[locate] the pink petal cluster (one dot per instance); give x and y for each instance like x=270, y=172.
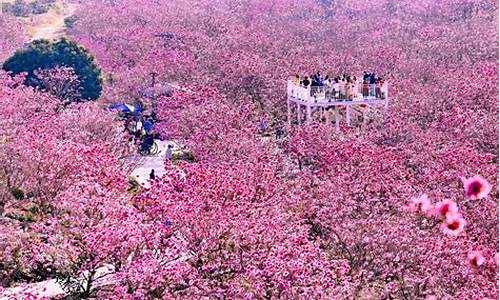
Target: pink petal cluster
x=476, y=187
x=421, y=204
x=476, y=258
x=315, y=214
x=447, y=210
x=453, y=224
x=445, y=207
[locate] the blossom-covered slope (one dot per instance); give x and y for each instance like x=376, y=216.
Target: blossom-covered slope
x=393, y=211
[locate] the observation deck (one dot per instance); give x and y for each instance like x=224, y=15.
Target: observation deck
x=357, y=98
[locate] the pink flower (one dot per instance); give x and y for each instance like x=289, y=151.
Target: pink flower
x=476, y=258
x=476, y=187
x=421, y=204
x=454, y=224
x=283, y=285
x=446, y=207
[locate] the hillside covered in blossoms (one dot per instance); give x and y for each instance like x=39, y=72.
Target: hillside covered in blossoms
x=244, y=204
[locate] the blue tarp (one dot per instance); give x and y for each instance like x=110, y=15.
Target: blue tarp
x=119, y=107
x=125, y=108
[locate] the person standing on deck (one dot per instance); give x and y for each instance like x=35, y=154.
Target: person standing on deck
x=342, y=88
x=336, y=88
x=306, y=81
x=373, y=84
x=357, y=90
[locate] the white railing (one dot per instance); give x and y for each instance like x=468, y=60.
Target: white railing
x=348, y=97
x=357, y=91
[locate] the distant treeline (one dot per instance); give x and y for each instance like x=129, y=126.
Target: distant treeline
x=23, y=8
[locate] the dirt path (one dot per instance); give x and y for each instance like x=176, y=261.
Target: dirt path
x=155, y=162
x=51, y=24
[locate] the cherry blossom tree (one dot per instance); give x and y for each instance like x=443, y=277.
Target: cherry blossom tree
x=61, y=82
x=11, y=35
x=404, y=209
x=56, y=164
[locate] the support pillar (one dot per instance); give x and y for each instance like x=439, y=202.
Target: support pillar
x=348, y=114
x=289, y=112
x=299, y=114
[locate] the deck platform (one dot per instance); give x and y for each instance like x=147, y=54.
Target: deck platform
x=323, y=99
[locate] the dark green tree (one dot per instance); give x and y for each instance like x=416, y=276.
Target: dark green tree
x=43, y=54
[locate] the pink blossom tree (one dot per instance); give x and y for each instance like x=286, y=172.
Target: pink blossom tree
x=11, y=36
x=61, y=82
x=404, y=209
x=56, y=164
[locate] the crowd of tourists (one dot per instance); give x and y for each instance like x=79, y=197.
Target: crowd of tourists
x=345, y=87
x=141, y=129
x=138, y=125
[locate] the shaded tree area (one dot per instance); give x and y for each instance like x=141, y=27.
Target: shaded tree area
x=22, y=8
x=44, y=55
